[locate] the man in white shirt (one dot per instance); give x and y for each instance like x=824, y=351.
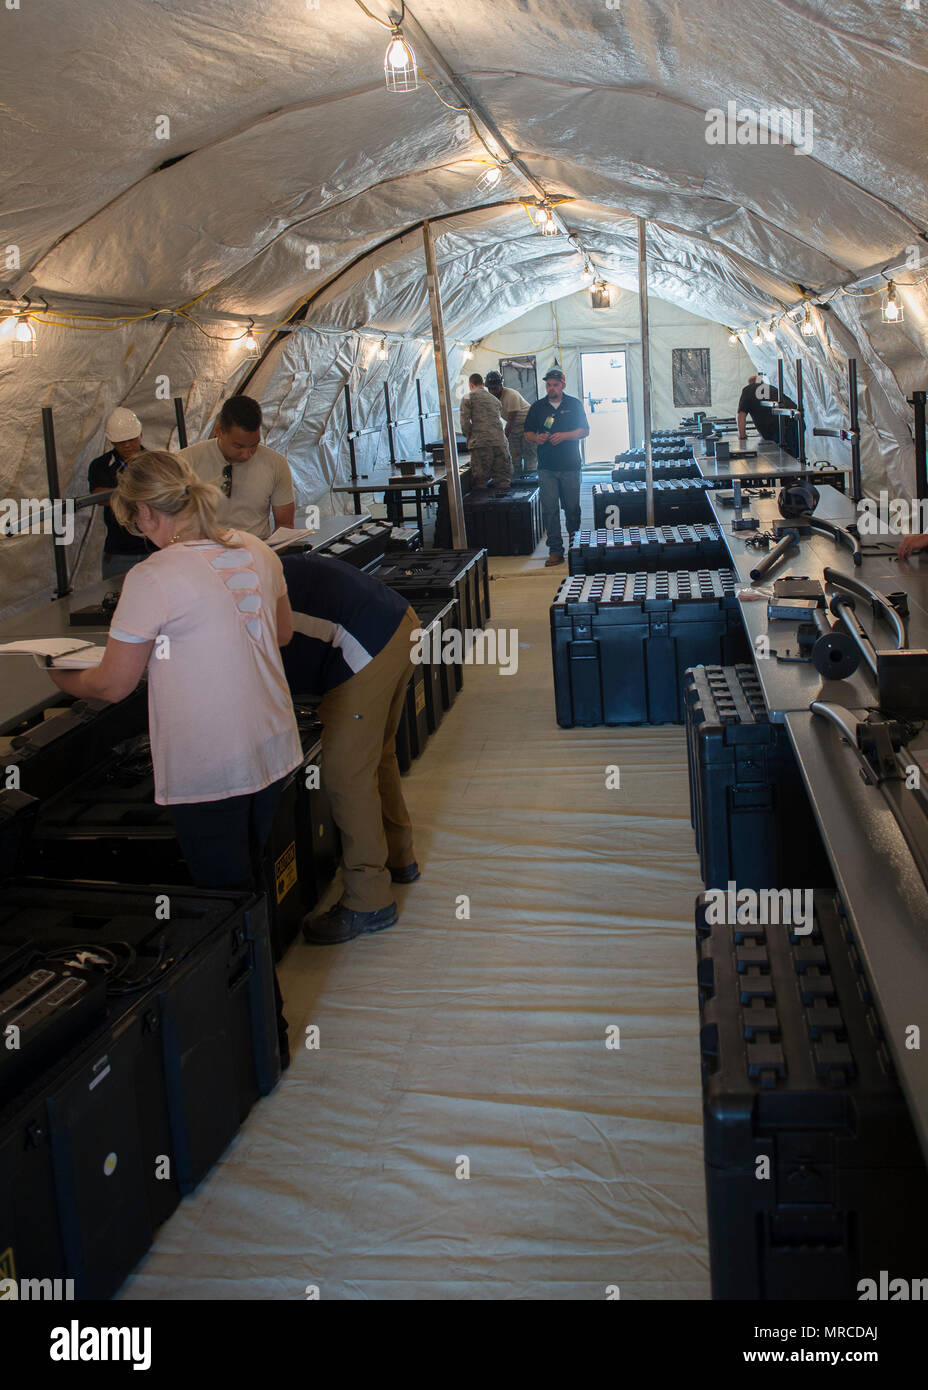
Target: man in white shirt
x=255, y=481
x=514, y=408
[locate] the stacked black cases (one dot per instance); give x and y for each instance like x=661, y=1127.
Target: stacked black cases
x=106, y=826
x=814, y=1177
x=506, y=523
x=748, y=805
x=621, y=642
x=647, y=548
x=443, y=537
x=677, y=502
x=316, y=842
x=634, y=471
x=97, y=1149
x=442, y=678
x=361, y=548
x=413, y=732
x=434, y=574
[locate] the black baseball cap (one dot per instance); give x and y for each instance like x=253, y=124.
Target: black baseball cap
x=555, y=371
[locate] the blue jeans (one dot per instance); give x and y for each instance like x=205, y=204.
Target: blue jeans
x=559, y=490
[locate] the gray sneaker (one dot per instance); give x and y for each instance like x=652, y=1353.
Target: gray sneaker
x=344, y=924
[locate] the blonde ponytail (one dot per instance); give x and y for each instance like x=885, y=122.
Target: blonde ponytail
x=169, y=485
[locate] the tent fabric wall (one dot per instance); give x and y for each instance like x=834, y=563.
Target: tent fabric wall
x=261, y=171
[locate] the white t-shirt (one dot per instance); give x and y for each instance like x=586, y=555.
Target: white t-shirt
x=512, y=403
x=262, y=482
x=219, y=707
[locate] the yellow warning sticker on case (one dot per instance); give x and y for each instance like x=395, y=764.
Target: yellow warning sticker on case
x=285, y=871
x=7, y=1264
x=420, y=698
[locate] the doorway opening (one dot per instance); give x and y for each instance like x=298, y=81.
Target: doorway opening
x=605, y=399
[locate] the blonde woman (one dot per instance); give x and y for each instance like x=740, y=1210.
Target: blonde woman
x=205, y=615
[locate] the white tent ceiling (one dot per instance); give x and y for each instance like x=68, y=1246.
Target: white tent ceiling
x=300, y=185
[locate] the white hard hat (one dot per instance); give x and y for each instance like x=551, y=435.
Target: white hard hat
x=123, y=424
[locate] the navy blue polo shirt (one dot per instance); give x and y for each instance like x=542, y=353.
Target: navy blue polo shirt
x=568, y=416
x=342, y=619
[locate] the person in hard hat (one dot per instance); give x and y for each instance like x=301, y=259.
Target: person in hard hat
x=482, y=426
x=556, y=425
x=121, y=550
x=515, y=408
x=254, y=480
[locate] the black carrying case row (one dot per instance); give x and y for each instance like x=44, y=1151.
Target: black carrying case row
x=700, y=546
x=435, y=574
x=635, y=471
x=814, y=1176
x=96, y=1151
x=748, y=804
x=507, y=522
x=621, y=642
x=361, y=548
x=106, y=825
x=677, y=501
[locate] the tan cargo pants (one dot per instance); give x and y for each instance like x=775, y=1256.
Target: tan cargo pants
x=360, y=718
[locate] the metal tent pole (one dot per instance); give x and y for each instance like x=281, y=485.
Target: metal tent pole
x=645, y=365
x=54, y=494
x=448, y=433
x=181, y=423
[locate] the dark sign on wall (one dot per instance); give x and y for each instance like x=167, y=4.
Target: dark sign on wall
x=521, y=374
x=692, y=381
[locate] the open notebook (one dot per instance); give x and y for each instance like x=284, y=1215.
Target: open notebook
x=64, y=653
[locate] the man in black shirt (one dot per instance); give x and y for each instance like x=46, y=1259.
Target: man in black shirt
x=121, y=550
x=556, y=425
x=757, y=400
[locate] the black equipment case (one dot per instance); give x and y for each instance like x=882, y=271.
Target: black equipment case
x=621, y=642
x=647, y=548
x=505, y=523
x=748, y=804
x=435, y=574
x=106, y=826
x=99, y=1144
x=677, y=502
x=814, y=1176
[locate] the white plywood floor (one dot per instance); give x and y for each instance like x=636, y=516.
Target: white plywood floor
x=445, y=1039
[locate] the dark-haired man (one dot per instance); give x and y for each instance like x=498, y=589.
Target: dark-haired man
x=556, y=425
x=255, y=480
x=514, y=408
x=757, y=400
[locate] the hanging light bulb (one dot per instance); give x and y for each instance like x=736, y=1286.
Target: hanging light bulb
x=807, y=327
x=548, y=224
x=468, y=353
x=383, y=352
x=769, y=336
x=733, y=337
x=489, y=179
x=758, y=335
x=251, y=342
x=892, y=311
x=399, y=66
x=24, y=344
x=601, y=295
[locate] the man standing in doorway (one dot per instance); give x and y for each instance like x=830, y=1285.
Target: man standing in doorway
x=255, y=481
x=515, y=408
x=557, y=424
x=483, y=428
